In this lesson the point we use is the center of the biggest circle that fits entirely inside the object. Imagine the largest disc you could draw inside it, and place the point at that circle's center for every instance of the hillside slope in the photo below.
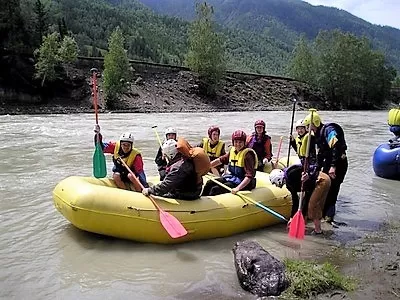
(285, 20)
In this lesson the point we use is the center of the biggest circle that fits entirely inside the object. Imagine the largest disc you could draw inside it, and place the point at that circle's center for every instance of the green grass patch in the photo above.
(309, 279)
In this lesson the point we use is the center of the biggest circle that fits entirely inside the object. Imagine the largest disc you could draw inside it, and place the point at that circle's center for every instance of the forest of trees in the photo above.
(251, 42)
(346, 68)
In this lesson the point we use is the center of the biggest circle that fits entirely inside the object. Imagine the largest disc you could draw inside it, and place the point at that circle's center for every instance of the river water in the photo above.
(44, 257)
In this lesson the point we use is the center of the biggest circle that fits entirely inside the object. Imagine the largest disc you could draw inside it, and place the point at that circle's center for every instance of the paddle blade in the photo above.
(297, 227)
(99, 162)
(171, 224)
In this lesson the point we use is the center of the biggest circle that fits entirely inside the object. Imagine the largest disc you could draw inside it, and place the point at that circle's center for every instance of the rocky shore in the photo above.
(161, 89)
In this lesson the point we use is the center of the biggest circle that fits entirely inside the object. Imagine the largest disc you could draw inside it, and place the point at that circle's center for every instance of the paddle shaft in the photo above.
(279, 150)
(159, 140)
(245, 198)
(306, 159)
(171, 224)
(94, 91)
(291, 130)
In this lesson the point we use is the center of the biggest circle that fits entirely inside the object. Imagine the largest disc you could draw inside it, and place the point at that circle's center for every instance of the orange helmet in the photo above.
(238, 135)
(212, 129)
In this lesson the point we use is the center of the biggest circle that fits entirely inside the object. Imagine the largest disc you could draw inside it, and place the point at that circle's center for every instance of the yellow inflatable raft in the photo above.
(97, 205)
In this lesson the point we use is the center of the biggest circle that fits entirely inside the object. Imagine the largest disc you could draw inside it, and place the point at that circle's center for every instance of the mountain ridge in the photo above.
(286, 19)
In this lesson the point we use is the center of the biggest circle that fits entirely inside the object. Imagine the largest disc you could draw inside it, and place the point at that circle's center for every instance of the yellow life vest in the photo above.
(301, 143)
(237, 159)
(129, 159)
(394, 117)
(214, 152)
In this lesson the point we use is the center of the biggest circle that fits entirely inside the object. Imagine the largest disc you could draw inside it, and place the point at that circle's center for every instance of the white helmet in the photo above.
(127, 137)
(299, 123)
(170, 130)
(169, 148)
(277, 177)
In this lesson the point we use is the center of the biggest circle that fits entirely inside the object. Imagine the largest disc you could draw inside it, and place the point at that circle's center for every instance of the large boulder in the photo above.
(258, 271)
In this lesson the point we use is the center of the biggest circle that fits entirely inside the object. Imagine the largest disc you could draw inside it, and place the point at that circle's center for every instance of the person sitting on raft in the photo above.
(170, 133)
(242, 163)
(123, 149)
(260, 142)
(394, 125)
(213, 147)
(181, 180)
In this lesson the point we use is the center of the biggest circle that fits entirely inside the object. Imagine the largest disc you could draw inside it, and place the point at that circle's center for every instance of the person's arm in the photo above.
(334, 144)
(268, 149)
(137, 168)
(173, 179)
(222, 160)
(223, 151)
(109, 147)
(159, 160)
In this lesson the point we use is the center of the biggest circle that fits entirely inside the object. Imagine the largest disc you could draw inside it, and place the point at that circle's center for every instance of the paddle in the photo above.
(291, 130)
(159, 140)
(171, 224)
(297, 227)
(245, 198)
(279, 152)
(99, 160)
(156, 132)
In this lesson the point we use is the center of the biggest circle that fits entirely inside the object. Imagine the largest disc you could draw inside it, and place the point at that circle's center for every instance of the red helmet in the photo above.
(259, 123)
(212, 129)
(238, 135)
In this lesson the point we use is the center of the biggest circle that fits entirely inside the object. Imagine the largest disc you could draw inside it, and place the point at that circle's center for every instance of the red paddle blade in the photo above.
(171, 224)
(297, 226)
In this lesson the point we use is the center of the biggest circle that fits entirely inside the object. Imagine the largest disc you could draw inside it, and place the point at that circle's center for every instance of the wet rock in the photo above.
(258, 271)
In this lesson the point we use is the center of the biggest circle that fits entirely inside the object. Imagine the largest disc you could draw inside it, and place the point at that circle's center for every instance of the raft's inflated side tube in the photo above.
(386, 161)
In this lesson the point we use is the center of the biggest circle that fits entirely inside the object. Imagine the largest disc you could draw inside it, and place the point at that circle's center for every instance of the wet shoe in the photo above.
(337, 224)
(317, 233)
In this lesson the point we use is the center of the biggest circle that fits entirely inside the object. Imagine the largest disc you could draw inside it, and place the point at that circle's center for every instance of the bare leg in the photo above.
(118, 181)
(317, 225)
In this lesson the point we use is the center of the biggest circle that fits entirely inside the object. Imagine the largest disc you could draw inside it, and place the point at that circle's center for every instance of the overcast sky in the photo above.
(381, 12)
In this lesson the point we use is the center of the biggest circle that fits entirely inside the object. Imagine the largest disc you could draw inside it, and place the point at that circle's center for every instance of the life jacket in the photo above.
(236, 165)
(394, 117)
(213, 151)
(301, 142)
(128, 159)
(324, 151)
(301, 145)
(198, 155)
(259, 145)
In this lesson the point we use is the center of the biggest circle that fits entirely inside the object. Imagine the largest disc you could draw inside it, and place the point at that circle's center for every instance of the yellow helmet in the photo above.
(316, 119)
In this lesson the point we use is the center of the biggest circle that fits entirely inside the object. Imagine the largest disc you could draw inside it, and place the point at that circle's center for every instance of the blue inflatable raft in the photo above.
(386, 160)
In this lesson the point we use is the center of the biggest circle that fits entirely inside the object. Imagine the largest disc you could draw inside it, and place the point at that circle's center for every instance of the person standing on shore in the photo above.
(331, 158)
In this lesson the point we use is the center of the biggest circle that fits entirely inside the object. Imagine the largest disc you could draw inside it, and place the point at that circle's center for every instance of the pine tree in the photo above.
(116, 68)
(48, 58)
(206, 55)
(301, 67)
